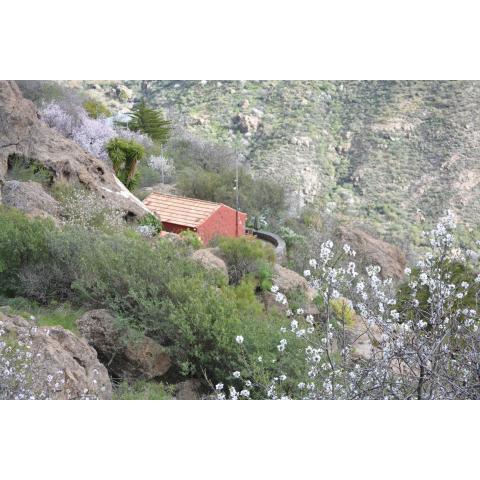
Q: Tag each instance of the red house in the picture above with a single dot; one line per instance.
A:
(207, 219)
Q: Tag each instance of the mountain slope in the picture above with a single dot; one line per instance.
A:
(389, 154)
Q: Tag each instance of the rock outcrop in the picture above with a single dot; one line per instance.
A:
(287, 280)
(30, 197)
(48, 362)
(373, 251)
(126, 358)
(23, 134)
(247, 123)
(189, 389)
(209, 258)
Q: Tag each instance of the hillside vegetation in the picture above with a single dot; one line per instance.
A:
(113, 309)
(387, 154)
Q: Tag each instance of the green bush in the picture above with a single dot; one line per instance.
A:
(150, 220)
(84, 208)
(96, 109)
(23, 241)
(247, 256)
(206, 322)
(25, 170)
(153, 288)
(143, 390)
(148, 175)
(191, 239)
(342, 312)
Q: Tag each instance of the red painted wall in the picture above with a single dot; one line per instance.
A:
(220, 223)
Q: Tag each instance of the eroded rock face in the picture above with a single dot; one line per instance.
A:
(30, 197)
(125, 358)
(54, 363)
(23, 133)
(373, 251)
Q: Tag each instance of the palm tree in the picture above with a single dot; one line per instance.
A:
(125, 155)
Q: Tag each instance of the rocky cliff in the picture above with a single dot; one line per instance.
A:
(24, 135)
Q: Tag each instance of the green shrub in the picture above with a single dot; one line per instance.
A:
(84, 208)
(207, 320)
(150, 220)
(296, 298)
(45, 91)
(153, 288)
(247, 256)
(25, 170)
(191, 239)
(143, 390)
(55, 314)
(343, 313)
(96, 109)
(23, 241)
(148, 176)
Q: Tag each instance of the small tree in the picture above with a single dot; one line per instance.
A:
(125, 155)
(150, 122)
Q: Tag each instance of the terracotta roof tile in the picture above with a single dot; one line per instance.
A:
(189, 212)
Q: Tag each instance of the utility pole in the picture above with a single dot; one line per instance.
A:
(236, 194)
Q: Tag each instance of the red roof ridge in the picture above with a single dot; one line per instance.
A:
(184, 198)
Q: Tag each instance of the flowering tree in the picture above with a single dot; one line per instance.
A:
(423, 340)
(164, 165)
(92, 134)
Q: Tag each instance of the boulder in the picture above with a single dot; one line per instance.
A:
(287, 280)
(209, 258)
(51, 362)
(125, 356)
(372, 251)
(247, 123)
(30, 197)
(189, 389)
(24, 134)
